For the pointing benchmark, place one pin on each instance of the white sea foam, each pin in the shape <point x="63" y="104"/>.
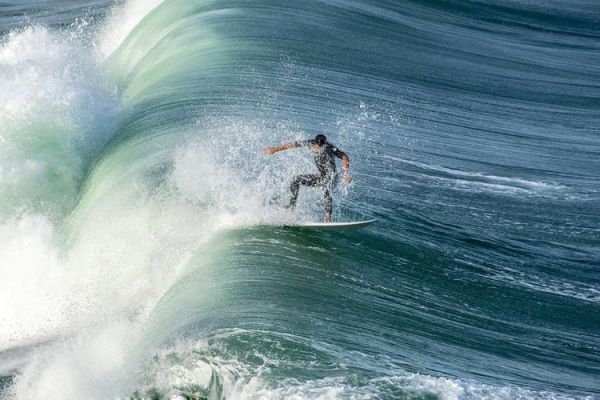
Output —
<point x="54" y="108"/>
<point x="82" y="367"/>
<point x="191" y="368"/>
<point x="30" y="268"/>
<point x="579" y="291"/>
<point x="56" y="112"/>
<point x="83" y="301"/>
<point x="478" y="181"/>
<point x="86" y="301"/>
<point x="89" y="297"/>
<point x="407" y="386"/>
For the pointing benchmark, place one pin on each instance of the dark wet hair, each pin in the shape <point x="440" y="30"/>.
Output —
<point x="320" y="139"/>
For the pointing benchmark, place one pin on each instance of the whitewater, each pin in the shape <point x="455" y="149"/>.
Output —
<point x="142" y="252"/>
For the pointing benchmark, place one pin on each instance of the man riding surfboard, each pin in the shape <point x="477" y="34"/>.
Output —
<point x="324" y="154"/>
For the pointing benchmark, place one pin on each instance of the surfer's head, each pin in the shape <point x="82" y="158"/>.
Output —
<point x="320" y="139"/>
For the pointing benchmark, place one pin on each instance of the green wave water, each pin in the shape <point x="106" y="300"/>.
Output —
<point x="140" y="243"/>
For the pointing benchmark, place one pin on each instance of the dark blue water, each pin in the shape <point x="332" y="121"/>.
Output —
<point x="141" y="246"/>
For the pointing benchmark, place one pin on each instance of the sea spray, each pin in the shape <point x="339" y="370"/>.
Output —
<point x="56" y="113"/>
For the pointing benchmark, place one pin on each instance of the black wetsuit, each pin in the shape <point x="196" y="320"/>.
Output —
<point x="327" y="177"/>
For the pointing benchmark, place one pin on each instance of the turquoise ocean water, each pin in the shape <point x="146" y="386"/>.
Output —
<point x="141" y="253"/>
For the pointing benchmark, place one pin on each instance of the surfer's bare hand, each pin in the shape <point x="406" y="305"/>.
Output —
<point x="269" y="150"/>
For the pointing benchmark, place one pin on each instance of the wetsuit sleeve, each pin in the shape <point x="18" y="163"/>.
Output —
<point x="337" y="152"/>
<point x="303" y="143"/>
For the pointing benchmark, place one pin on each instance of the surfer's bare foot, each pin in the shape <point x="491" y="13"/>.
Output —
<point x="327" y="218"/>
<point x="289" y="207"/>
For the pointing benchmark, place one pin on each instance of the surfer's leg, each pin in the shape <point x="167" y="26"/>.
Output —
<point x="328" y="204"/>
<point x="328" y="185"/>
<point x="306" y="180"/>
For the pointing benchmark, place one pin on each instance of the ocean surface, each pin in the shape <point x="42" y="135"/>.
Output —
<point x="142" y="252"/>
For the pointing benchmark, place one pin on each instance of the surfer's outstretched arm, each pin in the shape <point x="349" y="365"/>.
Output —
<point x="275" y="149"/>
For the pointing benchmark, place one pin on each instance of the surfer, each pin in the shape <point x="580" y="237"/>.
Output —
<point x="324" y="153"/>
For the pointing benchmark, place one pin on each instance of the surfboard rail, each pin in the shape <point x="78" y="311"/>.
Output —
<point x="331" y="226"/>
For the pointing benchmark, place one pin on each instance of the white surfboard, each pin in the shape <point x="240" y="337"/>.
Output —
<point x="331" y="226"/>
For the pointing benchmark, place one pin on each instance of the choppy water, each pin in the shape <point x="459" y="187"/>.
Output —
<point x="135" y="256"/>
